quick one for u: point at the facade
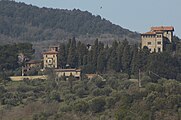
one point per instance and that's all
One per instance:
(76, 73)
(50, 58)
(157, 38)
(33, 63)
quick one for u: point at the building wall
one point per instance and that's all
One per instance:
(29, 66)
(68, 73)
(169, 35)
(50, 61)
(153, 42)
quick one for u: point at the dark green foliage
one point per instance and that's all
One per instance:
(122, 99)
(164, 65)
(97, 104)
(29, 23)
(81, 106)
(9, 55)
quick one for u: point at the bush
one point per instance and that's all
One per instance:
(145, 80)
(104, 91)
(81, 106)
(97, 104)
(65, 108)
(80, 92)
(54, 96)
(99, 83)
(110, 101)
(13, 99)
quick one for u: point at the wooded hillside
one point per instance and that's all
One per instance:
(21, 22)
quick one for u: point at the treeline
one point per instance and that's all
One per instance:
(120, 57)
(26, 22)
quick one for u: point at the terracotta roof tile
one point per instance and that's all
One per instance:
(33, 62)
(51, 52)
(149, 33)
(67, 70)
(162, 28)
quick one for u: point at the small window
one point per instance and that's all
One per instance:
(159, 43)
(159, 36)
(149, 43)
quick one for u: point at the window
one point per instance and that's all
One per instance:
(149, 43)
(159, 36)
(159, 42)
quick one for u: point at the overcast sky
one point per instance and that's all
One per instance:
(135, 15)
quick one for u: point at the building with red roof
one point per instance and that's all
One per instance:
(157, 38)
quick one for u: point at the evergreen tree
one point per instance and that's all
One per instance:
(135, 61)
(72, 55)
(95, 53)
(101, 63)
(62, 56)
(126, 59)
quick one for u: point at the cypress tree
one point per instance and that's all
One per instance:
(62, 56)
(101, 62)
(126, 59)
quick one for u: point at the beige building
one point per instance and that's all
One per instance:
(50, 58)
(68, 72)
(157, 38)
(33, 63)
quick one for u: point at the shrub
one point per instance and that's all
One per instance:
(97, 104)
(81, 106)
(110, 101)
(65, 108)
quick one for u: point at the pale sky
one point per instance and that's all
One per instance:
(135, 15)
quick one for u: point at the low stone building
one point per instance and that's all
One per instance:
(33, 63)
(76, 73)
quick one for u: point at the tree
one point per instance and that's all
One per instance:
(62, 56)
(72, 55)
(97, 104)
(126, 59)
(101, 63)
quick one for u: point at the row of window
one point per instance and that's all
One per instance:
(149, 36)
(46, 66)
(50, 61)
(47, 55)
(149, 43)
(152, 36)
(159, 49)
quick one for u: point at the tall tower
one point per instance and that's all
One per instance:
(50, 58)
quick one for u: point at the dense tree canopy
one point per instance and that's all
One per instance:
(120, 57)
(29, 23)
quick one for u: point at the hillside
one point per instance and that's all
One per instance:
(117, 98)
(21, 22)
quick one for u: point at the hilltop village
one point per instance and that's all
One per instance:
(94, 81)
(156, 40)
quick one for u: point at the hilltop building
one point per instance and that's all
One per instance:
(33, 63)
(157, 38)
(50, 58)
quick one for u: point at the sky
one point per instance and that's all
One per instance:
(135, 15)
